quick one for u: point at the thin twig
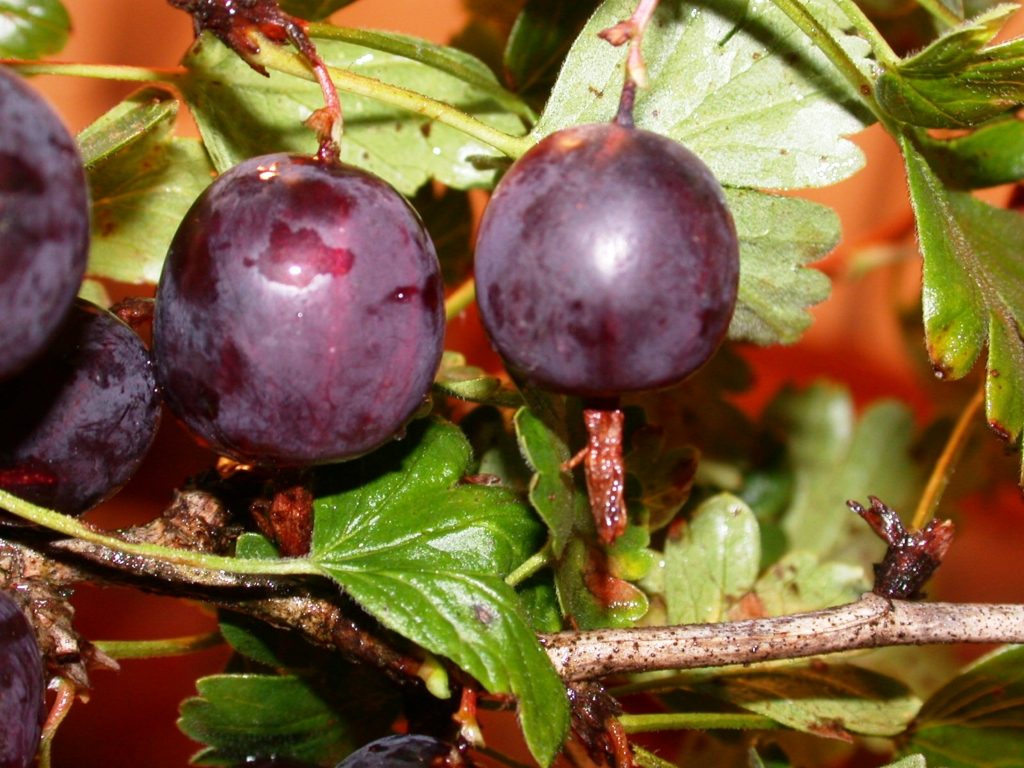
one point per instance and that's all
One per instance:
(946, 463)
(871, 622)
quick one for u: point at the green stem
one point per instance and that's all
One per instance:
(274, 57)
(150, 649)
(823, 40)
(432, 56)
(941, 13)
(884, 54)
(533, 564)
(95, 71)
(646, 759)
(701, 721)
(70, 526)
(460, 299)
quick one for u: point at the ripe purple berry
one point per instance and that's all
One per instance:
(21, 687)
(299, 316)
(44, 223)
(607, 262)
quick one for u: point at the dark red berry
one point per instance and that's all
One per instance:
(78, 421)
(21, 687)
(299, 316)
(44, 223)
(607, 262)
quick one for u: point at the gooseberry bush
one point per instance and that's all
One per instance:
(588, 549)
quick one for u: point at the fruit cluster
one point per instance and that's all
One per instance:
(299, 318)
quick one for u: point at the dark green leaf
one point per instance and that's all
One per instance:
(834, 457)
(540, 38)
(553, 491)
(957, 82)
(749, 94)
(991, 155)
(242, 114)
(142, 181)
(540, 600)
(313, 10)
(977, 719)
(426, 557)
(779, 236)
(240, 716)
(592, 592)
(973, 290)
(711, 561)
(828, 700)
(32, 29)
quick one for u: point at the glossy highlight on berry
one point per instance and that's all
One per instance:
(607, 262)
(299, 316)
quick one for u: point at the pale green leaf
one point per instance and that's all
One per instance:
(735, 81)
(778, 237)
(824, 699)
(242, 114)
(711, 562)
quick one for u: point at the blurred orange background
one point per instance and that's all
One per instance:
(129, 720)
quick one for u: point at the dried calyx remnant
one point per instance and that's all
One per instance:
(239, 23)
(912, 556)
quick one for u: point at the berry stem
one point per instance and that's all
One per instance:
(151, 649)
(287, 63)
(700, 721)
(632, 31)
(535, 563)
(64, 691)
(96, 71)
(460, 299)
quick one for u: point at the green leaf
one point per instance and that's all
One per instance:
(32, 29)
(427, 558)
(973, 290)
(977, 719)
(801, 582)
(830, 700)
(957, 82)
(592, 590)
(751, 96)
(778, 237)
(467, 382)
(911, 761)
(313, 10)
(986, 157)
(239, 716)
(553, 492)
(835, 456)
(242, 114)
(539, 41)
(711, 562)
(142, 182)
